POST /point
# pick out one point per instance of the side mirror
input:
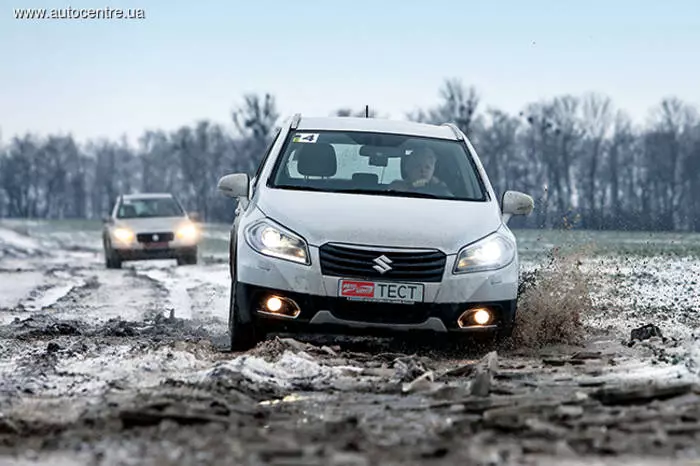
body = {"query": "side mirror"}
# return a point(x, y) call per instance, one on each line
point(194, 216)
point(234, 185)
point(106, 219)
point(516, 203)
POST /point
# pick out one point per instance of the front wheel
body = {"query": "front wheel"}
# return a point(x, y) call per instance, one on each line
point(189, 259)
point(112, 260)
point(502, 337)
point(243, 336)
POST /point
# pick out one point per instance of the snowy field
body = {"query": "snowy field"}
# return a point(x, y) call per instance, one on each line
point(124, 366)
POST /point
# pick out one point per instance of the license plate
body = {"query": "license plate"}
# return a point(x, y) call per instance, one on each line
point(160, 245)
point(381, 291)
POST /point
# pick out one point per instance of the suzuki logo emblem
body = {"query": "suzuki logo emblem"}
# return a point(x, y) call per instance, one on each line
point(382, 264)
point(155, 237)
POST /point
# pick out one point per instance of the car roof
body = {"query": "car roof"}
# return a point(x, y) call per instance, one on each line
point(147, 196)
point(378, 125)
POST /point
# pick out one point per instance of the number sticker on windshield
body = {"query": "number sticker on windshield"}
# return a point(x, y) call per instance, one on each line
point(305, 137)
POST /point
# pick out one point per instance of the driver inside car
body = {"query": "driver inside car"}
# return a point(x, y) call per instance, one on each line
point(418, 170)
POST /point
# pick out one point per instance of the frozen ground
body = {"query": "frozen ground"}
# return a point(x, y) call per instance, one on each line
point(112, 367)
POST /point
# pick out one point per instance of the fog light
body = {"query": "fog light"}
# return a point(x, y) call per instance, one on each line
point(274, 304)
point(482, 317)
point(474, 318)
point(279, 306)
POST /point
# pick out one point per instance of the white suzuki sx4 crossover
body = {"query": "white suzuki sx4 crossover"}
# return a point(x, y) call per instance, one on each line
point(355, 224)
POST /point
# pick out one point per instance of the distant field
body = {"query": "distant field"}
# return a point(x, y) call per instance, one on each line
point(648, 244)
point(87, 233)
point(532, 243)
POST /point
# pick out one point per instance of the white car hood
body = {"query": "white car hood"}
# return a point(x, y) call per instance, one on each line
point(380, 220)
point(152, 225)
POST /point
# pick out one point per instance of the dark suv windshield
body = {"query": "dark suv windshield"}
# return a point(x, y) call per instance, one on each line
point(153, 207)
point(377, 163)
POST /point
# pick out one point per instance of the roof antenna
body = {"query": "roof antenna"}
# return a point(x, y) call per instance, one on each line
point(366, 111)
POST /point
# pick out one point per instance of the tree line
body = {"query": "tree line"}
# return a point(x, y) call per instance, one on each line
point(584, 161)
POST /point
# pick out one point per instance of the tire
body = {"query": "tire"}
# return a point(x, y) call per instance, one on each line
point(486, 341)
point(112, 261)
point(502, 339)
point(504, 333)
point(242, 336)
point(188, 259)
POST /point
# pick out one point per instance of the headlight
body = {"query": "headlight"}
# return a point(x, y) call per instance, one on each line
point(188, 232)
point(123, 235)
point(491, 253)
point(274, 240)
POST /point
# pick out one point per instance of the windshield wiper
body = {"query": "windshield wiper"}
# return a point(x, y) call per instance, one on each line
point(379, 192)
point(389, 192)
point(299, 188)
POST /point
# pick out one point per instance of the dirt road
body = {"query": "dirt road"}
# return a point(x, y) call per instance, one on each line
point(112, 367)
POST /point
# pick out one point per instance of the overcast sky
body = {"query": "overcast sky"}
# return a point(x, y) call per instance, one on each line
point(192, 61)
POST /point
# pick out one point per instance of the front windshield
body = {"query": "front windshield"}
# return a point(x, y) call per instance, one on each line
point(374, 163)
point(149, 207)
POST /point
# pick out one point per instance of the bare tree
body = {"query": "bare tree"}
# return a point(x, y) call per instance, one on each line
point(671, 121)
point(497, 146)
point(349, 112)
point(619, 156)
point(596, 126)
point(458, 104)
point(573, 154)
point(255, 121)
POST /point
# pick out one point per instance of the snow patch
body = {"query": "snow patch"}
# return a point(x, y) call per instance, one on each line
point(14, 244)
point(124, 364)
point(16, 286)
point(645, 371)
point(290, 369)
point(692, 362)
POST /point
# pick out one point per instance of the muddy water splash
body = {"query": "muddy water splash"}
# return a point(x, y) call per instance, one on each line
point(553, 300)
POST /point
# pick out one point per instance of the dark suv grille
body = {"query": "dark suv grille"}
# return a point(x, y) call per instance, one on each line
point(149, 237)
point(408, 265)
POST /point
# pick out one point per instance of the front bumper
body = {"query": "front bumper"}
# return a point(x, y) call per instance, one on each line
point(147, 245)
point(318, 313)
point(155, 253)
point(316, 294)
point(254, 268)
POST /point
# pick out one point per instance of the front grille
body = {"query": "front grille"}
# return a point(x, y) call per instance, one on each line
point(151, 237)
point(355, 262)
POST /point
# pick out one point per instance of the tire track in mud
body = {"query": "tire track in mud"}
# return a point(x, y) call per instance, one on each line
point(197, 293)
point(85, 293)
point(105, 328)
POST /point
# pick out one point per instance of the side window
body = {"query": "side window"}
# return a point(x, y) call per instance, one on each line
point(256, 178)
